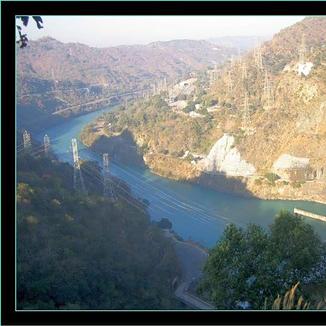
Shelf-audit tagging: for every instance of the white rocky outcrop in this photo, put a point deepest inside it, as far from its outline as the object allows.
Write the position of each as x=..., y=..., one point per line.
x=224, y=157
x=194, y=114
x=286, y=161
x=305, y=68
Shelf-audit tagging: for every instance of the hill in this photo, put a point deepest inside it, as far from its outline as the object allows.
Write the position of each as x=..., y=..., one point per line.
x=55, y=76
x=86, y=252
x=242, y=43
x=260, y=123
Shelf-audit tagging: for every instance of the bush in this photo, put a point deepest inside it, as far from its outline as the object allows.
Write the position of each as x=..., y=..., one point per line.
x=297, y=184
x=164, y=223
x=258, y=182
x=272, y=177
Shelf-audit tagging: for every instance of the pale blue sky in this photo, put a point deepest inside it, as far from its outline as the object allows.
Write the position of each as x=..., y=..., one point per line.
x=102, y=31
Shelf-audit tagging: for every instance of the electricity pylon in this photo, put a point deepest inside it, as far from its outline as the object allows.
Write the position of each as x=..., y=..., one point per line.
x=79, y=184
x=302, y=49
x=244, y=71
x=27, y=139
x=229, y=82
x=46, y=141
x=107, y=184
x=267, y=91
x=246, y=113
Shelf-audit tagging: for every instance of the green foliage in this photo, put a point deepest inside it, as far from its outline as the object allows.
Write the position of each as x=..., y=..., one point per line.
x=209, y=102
x=254, y=265
x=258, y=182
x=190, y=107
x=164, y=223
x=297, y=184
x=272, y=177
x=86, y=252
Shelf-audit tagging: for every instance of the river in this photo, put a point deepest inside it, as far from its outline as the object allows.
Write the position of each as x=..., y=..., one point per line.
x=197, y=213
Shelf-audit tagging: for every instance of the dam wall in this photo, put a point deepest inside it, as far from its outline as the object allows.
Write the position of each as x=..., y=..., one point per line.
x=309, y=214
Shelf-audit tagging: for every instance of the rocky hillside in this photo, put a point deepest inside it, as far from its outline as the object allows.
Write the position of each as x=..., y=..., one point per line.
x=262, y=120
x=55, y=77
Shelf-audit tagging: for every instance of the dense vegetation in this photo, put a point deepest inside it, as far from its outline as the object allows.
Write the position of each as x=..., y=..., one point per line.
x=155, y=123
x=78, y=252
x=254, y=266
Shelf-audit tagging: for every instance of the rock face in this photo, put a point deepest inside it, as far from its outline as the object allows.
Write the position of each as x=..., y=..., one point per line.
x=224, y=157
x=292, y=168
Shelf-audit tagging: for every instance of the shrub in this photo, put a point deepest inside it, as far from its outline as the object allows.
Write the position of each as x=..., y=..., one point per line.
x=272, y=177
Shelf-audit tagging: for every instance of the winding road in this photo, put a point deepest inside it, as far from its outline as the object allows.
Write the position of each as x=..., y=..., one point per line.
x=192, y=259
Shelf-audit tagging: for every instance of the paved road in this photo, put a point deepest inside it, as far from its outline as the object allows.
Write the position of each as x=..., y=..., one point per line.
x=192, y=259
x=190, y=299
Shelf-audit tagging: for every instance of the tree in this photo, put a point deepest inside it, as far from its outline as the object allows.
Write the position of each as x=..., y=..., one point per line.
x=164, y=223
x=294, y=246
x=254, y=265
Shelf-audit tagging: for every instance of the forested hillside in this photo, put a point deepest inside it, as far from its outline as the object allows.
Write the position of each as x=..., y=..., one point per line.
x=86, y=252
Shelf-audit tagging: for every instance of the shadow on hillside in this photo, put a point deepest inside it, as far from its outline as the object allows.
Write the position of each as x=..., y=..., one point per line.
x=121, y=148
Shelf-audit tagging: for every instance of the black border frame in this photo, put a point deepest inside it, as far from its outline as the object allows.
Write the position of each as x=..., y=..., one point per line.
x=8, y=12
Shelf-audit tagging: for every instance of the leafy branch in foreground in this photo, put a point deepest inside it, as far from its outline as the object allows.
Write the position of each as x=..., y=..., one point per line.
x=23, y=40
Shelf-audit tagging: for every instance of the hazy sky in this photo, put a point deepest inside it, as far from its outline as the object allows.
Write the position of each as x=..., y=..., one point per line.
x=101, y=31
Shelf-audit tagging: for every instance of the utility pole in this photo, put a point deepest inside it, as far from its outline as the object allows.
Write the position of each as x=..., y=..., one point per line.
x=302, y=49
x=107, y=184
x=46, y=141
x=244, y=71
x=229, y=82
x=27, y=139
x=258, y=58
x=54, y=80
x=78, y=177
x=246, y=113
x=267, y=91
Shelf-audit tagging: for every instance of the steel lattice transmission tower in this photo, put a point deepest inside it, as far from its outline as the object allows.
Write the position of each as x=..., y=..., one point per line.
x=229, y=82
x=244, y=71
x=267, y=91
x=27, y=140
x=258, y=58
x=79, y=184
x=46, y=142
x=246, y=113
x=54, y=80
x=107, y=184
x=302, y=49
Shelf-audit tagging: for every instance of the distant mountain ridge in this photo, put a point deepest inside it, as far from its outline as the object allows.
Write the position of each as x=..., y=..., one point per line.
x=242, y=43
x=53, y=75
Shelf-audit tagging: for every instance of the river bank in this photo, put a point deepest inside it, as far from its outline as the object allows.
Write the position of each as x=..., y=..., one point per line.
x=256, y=186
x=97, y=138
x=198, y=213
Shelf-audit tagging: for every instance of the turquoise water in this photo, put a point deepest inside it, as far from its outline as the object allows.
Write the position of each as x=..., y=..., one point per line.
x=197, y=213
